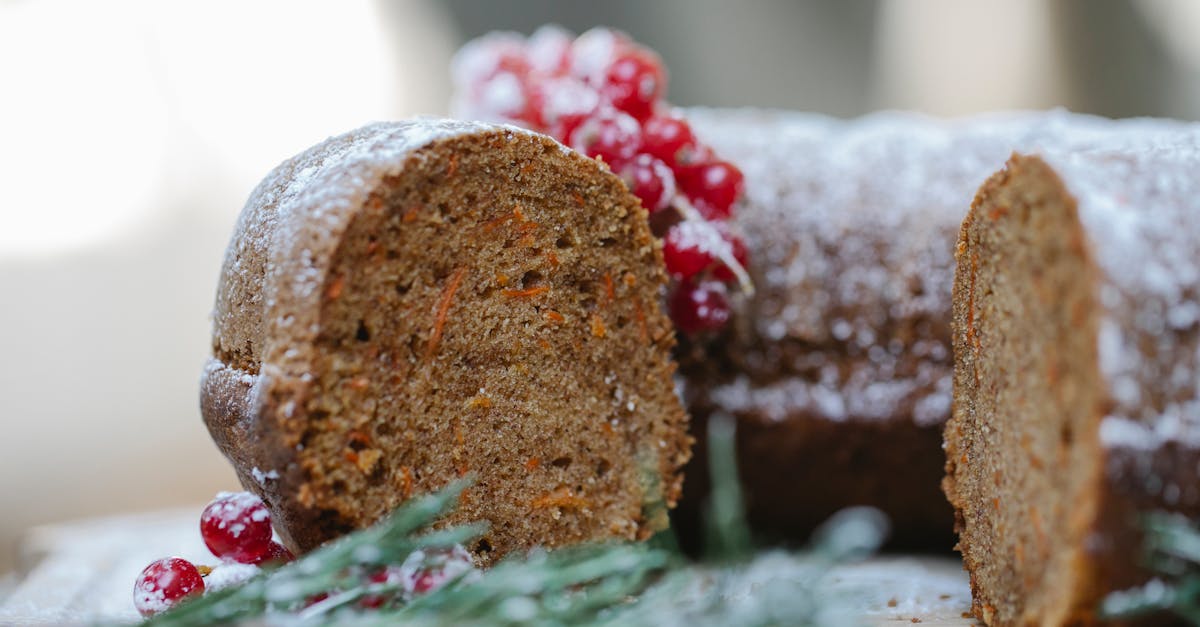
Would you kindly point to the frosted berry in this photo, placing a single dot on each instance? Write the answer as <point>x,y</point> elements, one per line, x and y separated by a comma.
<point>650,180</point>
<point>164,583</point>
<point>737,248</point>
<point>635,81</point>
<point>276,554</point>
<point>666,137</point>
<point>712,187</point>
<point>563,104</point>
<point>388,574</point>
<point>548,50</point>
<point>609,135</point>
<point>426,571</point>
<point>237,526</point>
<point>690,247</point>
<point>593,52</point>
<point>697,307</point>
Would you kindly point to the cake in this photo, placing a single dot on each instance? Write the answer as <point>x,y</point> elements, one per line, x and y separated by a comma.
<point>417,302</point>
<point>1076,389</point>
<point>838,369</point>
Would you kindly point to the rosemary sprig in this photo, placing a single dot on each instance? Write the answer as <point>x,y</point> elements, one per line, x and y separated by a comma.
<point>1172,545</point>
<point>606,584</point>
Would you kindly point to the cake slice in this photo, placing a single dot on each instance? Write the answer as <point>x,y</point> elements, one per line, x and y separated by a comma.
<point>411,303</point>
<point>1076,390</point>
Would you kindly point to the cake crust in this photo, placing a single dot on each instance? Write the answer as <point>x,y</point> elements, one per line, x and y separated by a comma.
<point>418,301</point>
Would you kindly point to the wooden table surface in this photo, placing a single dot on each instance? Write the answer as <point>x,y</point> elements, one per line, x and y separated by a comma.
<point>83,573</point>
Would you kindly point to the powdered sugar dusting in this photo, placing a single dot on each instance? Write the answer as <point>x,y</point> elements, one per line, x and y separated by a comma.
<point>851,227</point>
<point>1139,207</point>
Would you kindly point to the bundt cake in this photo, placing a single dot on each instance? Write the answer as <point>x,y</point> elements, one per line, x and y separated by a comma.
<point>414,302</point>
<point>1076,391</point>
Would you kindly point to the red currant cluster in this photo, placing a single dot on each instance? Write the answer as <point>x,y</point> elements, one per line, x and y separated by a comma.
<point>604,95</point>
<point>236,527</point>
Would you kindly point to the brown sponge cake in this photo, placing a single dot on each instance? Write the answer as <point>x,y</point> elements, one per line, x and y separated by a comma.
<point>1076,381</point>
<point>414,302</point>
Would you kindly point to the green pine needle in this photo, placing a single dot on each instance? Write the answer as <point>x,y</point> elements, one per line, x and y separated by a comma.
<point>1172,544</point>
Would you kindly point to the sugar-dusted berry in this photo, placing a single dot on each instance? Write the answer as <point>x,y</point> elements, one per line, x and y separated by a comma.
<point>667,137</point>
<point>165,583</point>
<point>712,187</point>
<point>698,307</point>
<point>608,134</point>
<point>237,526</point>
<point>635,81</point>
<point>650,180</point>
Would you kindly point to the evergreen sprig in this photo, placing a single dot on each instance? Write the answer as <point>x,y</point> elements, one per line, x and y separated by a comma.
<point>606,584</point>
<point>1172,544</point>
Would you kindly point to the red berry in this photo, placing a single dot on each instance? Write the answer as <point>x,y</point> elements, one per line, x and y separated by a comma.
<point>593,52</point>
<point>697,307</point>
<point>563,104</point>
<point>608,134</point>
<point>650,180</point>
<point>634,82</point>
<point>276,554</point>
<point>548,50</point>
<point>689,247</point>
<point>713,187</point>
<point>426,571</point>
<point>387,574</point>
<point>163,584</point>
<point>737,248</point>
<point>666,137</point>
<point>237,526</point>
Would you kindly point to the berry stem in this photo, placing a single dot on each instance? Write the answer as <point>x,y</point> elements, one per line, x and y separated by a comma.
<point>688,212</point>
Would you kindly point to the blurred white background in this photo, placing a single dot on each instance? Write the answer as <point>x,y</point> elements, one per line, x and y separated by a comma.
<point>132,131</point>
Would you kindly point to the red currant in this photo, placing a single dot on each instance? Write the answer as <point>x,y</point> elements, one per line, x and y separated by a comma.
<point>426,571</point>
<point>737,248</point>
<point>164,583</point>
<point>713,187</point>
<point>635,81</point>
<point>650,180</point>
<point>237,526</point>
<point>388,574</point>
<point>276,554</point>
<point>548,50</point>
<point>689,247</point>
<point>666,137</point>
<point>593,52</point>
<point>697,307</point>
<point>609,135</point>
<point>564,103</point>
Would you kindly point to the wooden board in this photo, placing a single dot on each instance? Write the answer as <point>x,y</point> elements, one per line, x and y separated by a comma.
<point>83,572</point>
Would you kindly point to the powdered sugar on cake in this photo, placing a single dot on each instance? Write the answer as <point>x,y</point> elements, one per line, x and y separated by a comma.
<point>853,225</point>
<point>1138,208</point>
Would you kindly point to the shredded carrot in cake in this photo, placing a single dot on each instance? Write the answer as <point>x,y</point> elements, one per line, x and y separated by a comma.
<point>443,309</point>
<point>640,314</point>
<point>406,481</point>
<point>411,214</point>
<point>334,290</point>
<point>533,463</point>
<point>598,329</point>
<point>552,257</point>
<point>479,402</point>
<point>532,291</point>
<point>609,289</point>
<point>553,316</point>
<point>453,167</point>
<point>562,497</point>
